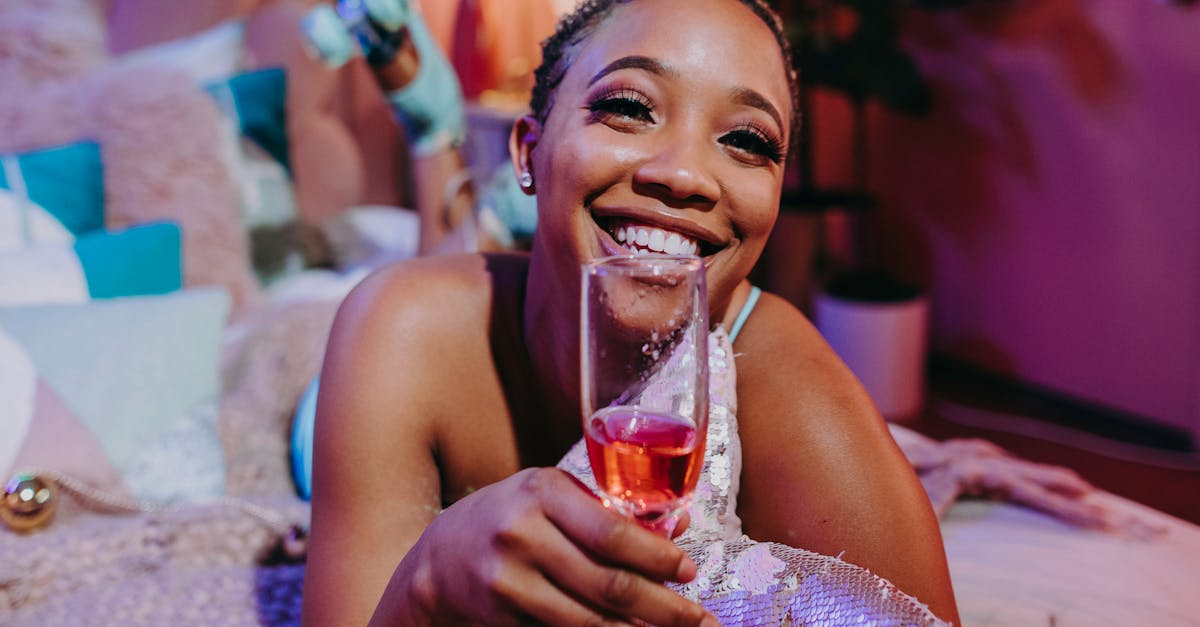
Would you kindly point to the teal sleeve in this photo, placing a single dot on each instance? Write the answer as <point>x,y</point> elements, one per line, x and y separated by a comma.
<point>430,107</point>
<point>327,37</point>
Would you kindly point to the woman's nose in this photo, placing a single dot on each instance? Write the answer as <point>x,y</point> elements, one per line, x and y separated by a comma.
<point>678,170</point>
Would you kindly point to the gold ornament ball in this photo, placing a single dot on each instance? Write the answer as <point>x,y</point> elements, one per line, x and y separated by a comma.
<point>28,502</point>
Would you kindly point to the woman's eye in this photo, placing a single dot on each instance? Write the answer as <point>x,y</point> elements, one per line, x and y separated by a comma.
<point>623,105</point>
<point>755,142</point>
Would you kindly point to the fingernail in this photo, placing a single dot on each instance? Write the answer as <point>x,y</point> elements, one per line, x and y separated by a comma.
<point>686,571</point>
<point>710,621</point>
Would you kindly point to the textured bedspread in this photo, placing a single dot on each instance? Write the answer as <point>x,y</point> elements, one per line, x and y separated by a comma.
<point>199,565</point>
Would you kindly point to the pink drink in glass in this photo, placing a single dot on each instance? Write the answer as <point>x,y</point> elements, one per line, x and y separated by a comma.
<point>647,461</point>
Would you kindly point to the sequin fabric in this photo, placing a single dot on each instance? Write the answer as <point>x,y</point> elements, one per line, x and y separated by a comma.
<point>746,582</point>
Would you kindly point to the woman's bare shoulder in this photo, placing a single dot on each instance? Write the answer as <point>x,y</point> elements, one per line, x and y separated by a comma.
<point>777,333</point>
<point>452,293</point>
<point>790,377</point>
<point>425,282</point>
<point>430,318</point>
<point>410,354</point>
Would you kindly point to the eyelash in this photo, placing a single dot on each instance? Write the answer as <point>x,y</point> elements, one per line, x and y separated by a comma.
<point>762,142</point>
<point>622,102</point>
<point>630,104</point>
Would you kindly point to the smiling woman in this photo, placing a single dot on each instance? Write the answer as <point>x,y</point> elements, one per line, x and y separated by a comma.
<point>451,385</point>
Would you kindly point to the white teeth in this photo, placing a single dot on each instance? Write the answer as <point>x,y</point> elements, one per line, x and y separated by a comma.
<point>642,240</point>
<point>673,244</point>
<point>658,241</point>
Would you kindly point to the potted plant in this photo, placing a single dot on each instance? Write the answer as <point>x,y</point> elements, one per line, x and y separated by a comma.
<point>876,322</point>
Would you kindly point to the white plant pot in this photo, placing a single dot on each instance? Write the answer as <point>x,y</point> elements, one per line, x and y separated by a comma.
<point>884,343</point>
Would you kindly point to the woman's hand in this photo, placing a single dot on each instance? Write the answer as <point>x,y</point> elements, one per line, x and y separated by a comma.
<point>537,546</point>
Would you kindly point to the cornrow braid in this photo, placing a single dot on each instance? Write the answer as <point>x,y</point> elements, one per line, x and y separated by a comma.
<point>577,26</point>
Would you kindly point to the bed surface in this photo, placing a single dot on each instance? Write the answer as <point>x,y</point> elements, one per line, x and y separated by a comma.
<point>1015,566</point>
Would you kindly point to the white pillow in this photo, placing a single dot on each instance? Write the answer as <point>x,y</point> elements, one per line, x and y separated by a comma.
<point>211,55</point>
<point>26,223</point>
<point>42,275</point>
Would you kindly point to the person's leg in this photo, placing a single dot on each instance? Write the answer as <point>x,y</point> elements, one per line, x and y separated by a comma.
<point>443,195</point>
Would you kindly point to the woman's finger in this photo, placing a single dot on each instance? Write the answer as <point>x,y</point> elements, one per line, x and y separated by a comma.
<point>533,595</point>
<point>617,591</point>
<point>605,589</point>
<point>608,535</point>
<point>685,520</point>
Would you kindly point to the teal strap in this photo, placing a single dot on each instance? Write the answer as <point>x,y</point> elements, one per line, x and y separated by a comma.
<point>744,313</point>
<point>303,425</point>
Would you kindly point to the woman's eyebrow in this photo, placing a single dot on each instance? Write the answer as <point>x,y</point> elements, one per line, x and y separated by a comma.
<point>750,98</point>
<point>740,95</point>
<point>637,62</point>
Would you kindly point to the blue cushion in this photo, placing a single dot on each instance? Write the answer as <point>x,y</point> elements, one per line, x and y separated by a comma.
<point>260,102</point>
<point>141,260</point>
<point>67,181</point>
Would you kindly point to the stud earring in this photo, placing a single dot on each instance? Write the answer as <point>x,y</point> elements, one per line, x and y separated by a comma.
<point>526,180</point>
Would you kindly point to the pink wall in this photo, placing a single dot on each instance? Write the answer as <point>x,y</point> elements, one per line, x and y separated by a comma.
<point>1052,201</point>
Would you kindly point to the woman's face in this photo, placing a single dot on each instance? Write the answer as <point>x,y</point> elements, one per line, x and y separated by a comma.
<point>667,133</point>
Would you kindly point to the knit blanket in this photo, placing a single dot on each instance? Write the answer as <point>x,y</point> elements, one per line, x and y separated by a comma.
<point>221,562</point>
<point>205,564</point>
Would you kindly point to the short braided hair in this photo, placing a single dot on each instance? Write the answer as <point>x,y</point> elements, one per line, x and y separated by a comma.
<point>577,26</point>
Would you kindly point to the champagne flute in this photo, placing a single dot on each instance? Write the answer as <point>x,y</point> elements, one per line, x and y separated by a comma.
<point>644,380</point>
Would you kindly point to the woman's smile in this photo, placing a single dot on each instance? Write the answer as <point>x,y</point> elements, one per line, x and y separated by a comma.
<point>629,231</point>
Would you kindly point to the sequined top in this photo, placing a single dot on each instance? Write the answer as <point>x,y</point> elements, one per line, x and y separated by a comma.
<point>746,582</point>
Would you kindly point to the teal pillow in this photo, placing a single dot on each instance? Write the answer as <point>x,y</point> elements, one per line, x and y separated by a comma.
<point>141,260</point>
<point>67,181</point>
<point>142,374</point>
<point>259,99</point>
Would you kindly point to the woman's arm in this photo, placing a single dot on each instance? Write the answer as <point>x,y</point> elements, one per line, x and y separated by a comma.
<point>820,470</point>
<point>375,481</point>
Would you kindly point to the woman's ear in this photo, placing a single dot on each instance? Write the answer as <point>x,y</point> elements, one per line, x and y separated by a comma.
<point>526,132</point>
